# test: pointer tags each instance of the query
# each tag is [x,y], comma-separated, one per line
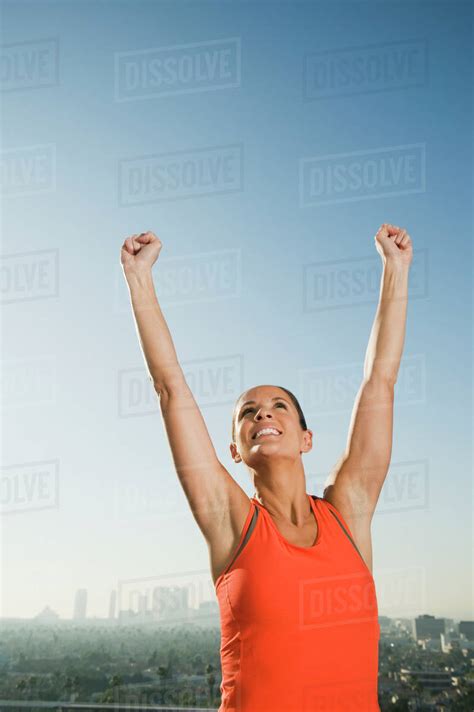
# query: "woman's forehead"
[261,392]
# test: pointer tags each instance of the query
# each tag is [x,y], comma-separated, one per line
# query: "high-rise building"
[161,604]
[435,680]
[426,627]
[170,603]
[385,624]
[450,641]
[80,604]
[112,604]
[467,629]
[142,603]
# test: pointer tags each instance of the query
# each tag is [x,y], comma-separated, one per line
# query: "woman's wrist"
[396,265]
[139,278]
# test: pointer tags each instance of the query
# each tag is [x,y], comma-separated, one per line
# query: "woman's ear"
[307,440]
[235,453]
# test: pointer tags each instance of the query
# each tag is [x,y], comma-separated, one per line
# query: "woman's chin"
[265,448]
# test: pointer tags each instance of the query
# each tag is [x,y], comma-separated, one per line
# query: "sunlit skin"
[274,461]
[218,503]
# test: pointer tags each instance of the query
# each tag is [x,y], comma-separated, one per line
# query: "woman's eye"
[248,410]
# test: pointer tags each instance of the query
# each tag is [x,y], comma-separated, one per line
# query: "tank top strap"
[336,521]
[247,529]
[332,513]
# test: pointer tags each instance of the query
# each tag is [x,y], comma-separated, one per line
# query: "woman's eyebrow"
[273,399]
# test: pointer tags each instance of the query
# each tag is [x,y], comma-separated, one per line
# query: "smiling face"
[267,423]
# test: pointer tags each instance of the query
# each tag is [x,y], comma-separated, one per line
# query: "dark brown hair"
[293,399]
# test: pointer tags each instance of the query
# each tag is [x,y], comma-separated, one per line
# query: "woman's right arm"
[217,501]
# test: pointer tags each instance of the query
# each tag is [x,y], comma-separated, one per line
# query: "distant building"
[112,604]
[432,645]
[427,627]
[80,604]
[467,648]
[170,603]
[467,629]
[207,613]
[142,605]
[47,615]
[162,604]
[435,680]
[450,641]
[450,626]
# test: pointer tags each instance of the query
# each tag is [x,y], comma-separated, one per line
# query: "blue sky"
[264,143]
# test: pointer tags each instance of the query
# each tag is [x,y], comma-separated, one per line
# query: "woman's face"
[268,409]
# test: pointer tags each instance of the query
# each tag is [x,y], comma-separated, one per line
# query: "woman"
[292,571]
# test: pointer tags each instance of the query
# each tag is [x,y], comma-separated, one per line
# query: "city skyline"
[127,616]
[146,604]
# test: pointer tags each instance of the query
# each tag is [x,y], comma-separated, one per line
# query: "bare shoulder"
[223,539]
[358,519]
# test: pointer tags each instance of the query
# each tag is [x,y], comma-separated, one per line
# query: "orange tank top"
[299,625]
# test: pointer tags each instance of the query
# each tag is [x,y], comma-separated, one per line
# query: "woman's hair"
[293,399]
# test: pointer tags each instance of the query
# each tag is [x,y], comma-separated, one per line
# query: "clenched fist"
[394,244]
[140,252]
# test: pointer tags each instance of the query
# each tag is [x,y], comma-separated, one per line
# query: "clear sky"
[264,143]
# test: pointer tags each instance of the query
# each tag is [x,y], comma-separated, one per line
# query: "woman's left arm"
[355,483]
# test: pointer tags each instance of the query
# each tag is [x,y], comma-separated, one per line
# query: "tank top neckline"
[280,535]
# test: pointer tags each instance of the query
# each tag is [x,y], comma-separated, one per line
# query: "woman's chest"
[304,588]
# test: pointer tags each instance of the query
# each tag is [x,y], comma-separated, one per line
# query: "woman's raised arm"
[217,501]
